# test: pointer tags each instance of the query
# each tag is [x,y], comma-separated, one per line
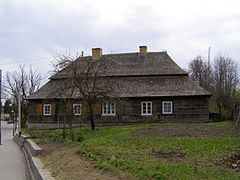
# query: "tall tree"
[200,72]
[236,102]
[24,81]
[66,90]
[221,79]
[226,81]
[89,78]
[7,107]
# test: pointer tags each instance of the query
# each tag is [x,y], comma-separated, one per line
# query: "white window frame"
[110,108]
[147,103]
[80,109]
[45,113]
[163,105]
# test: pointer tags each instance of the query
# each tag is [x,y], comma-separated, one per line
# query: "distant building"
[153,89]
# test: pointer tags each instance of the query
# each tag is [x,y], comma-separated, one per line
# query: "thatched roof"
[152,74]
[130,64]
[154,86]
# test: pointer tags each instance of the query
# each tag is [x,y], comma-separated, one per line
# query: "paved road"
[12,161]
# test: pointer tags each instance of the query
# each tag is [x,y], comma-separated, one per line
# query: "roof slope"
[134,64]
[150,86]
[153,74]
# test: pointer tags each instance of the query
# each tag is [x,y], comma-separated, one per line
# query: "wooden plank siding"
[39,109]
[129,110]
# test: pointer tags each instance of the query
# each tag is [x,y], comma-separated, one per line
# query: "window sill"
[108,114]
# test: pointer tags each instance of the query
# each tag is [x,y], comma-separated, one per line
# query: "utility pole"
[0,107]
[209,56]
[19,111]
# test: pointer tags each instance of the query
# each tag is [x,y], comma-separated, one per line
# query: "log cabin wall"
[128,110]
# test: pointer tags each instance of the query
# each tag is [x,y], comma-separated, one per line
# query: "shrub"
[75,136]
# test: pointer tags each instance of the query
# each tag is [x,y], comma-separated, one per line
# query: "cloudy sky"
[33,31]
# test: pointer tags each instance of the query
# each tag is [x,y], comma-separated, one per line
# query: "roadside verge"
[31,150]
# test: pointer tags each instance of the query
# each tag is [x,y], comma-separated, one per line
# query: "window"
[167,107]
[77,109]
[147,108]
[109,109]
[47,109]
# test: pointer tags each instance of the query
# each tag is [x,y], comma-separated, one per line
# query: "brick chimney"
[96,53]
[142,49]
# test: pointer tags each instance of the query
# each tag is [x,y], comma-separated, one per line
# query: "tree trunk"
[64,120]
[24,116]
[91,114]
[237,116]
[220,110]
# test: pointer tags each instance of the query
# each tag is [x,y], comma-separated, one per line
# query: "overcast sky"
[33,31]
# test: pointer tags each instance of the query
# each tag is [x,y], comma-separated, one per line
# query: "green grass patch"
[25,130]
[225,124]
[112,148]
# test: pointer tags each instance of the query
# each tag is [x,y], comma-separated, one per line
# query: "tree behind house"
[221,79]
[226,81]
[200,72]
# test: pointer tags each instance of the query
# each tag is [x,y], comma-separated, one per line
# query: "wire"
[28,62]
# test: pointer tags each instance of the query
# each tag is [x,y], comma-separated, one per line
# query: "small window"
[47,109]
[147,108]
[77,109]
[108,109]
[167,107]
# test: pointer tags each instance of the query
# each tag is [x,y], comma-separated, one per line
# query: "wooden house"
[153,88]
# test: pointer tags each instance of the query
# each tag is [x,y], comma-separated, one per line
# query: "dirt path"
[65,164]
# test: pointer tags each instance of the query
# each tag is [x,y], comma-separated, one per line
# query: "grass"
[112,148]
[225,124]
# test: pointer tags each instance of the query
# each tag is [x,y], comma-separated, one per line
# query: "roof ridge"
[130,53]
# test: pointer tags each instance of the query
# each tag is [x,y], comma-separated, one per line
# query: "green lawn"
[118,148]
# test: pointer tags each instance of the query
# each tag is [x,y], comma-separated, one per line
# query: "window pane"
[109,109]
[149,110]
[113,108]
[47,109]
[146,108]
[167,107]
[77,109]
[144,105]
[105,108]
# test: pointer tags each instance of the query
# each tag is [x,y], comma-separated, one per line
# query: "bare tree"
[221,79]
[200,72]
[226,81]
[24,81]
[94,84]
[236,101]
[65,90]
[89,80]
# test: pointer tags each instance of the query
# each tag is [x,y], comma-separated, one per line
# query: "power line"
[29,61]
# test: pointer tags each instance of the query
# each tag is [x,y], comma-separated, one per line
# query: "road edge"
[36,170]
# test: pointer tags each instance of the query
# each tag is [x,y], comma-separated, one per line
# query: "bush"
[75,136]
[227,115]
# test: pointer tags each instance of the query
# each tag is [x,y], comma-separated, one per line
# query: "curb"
[31,150]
